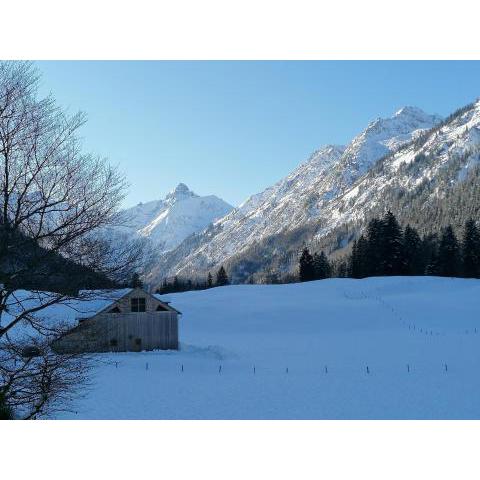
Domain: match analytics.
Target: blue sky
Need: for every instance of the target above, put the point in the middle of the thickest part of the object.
(234, 128)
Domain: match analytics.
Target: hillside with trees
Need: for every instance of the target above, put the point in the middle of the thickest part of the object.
(387, 249)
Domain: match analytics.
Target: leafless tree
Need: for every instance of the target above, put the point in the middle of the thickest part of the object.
(37, 381)
(55, 202)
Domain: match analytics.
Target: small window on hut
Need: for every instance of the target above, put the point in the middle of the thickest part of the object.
(137, 304)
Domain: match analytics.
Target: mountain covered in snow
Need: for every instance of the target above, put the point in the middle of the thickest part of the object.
(299, 200)
(169, 221)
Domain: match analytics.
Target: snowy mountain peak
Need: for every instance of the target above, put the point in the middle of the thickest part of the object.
(382, 136)
(181, 191)
(409, 110)
(169, 221)
(403, 121)
(418, 116)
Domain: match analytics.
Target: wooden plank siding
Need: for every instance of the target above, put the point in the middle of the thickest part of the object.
(124, 331)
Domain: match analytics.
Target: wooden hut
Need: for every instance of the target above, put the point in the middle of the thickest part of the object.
(128, 320)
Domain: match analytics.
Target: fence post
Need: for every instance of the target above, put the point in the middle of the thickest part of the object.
(220, 369)
(182, 367)
(408, 368)
(146, 366)
(368, 370)
(326, 369)
(254, 369)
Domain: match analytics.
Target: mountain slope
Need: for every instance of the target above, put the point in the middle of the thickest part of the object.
(169, 221)
(429, 182)
(416, 175)
(298, 199)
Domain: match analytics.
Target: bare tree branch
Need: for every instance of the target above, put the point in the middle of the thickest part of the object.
(55, 203)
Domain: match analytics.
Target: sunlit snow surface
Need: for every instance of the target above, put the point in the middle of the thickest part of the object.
(419, 338)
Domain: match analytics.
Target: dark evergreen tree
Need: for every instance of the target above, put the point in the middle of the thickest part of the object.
(412, 249)
(471, 250)
(209, 280)
(448, 262)
(176, 284)
(352, 267)
(342, 270)
(136, 281)
(358, 259)
(429, 253)
(392, 255)
(362, 258)
(222, 277)
(307, 269)
(321, 265)
(375, 248)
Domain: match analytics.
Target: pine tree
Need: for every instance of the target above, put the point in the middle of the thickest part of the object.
(136, 281)
(429, 253)
(165, 287)
(375, 240)
(362, 258)
(353, 261)
(209, 280)
(412, 248)
(176, 284)
(392, 255)
(322, 267)
(471, 250)
(307, 269)
(342, 270)
(448, 254)
(358, 259)
(222, 277)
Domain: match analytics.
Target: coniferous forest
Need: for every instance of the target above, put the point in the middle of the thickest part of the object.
(383, 249)
(184, 285)
(387, 249)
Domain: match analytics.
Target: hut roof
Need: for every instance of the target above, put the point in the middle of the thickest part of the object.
(69, 310)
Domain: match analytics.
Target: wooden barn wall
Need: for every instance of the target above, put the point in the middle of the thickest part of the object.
(119, 332)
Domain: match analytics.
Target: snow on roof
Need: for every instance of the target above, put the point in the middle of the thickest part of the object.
(165, 300)
(66, 312)
(160, 297)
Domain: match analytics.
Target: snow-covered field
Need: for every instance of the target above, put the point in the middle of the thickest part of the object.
(301, 351)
